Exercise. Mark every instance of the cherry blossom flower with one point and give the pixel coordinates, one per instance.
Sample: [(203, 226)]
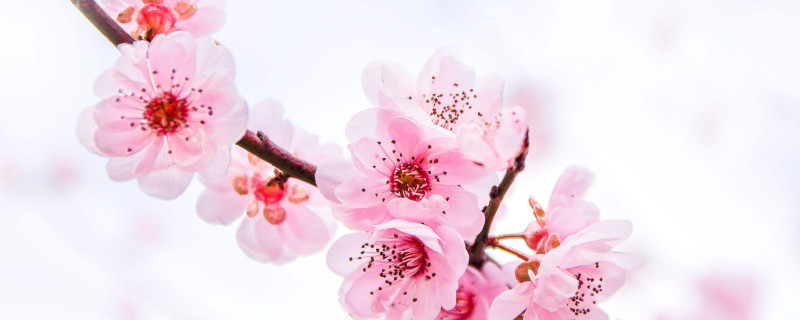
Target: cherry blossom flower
[(168, 109), (403, 173), (401, 270), (569, 281), (145, 19), (476, 291), (575, 267), (451, 100), (284, 217)]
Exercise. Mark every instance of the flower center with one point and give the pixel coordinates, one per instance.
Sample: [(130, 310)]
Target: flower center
[(463, 308), (154, 19), (399, 258), (268, 194), (410, 182), (166, 114)]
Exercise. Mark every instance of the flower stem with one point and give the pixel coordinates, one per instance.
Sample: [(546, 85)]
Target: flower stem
[(510, 235), (256, 143), (508, 249), (476, 254)]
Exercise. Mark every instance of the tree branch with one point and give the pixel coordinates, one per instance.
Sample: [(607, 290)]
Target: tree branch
[(256, 143), (261, 146), (98, 17), (476, 254)]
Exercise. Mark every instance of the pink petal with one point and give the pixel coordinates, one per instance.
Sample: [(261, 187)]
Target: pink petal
[(508, 305), (424, 233), (367, 123), (361, 218), (221, 207), (267, 116), (406, 135), (120, 144), (213, 59), (232, 125), (85, 130), (166, 184), (175, 51), (260, 241), (342, 250), (219, 164), (570, 187), (362, 192), (463, 212), (371, 158), (205, 21), (388, 78), (567, 221), (358, 299), (303, 231), (331, 173)]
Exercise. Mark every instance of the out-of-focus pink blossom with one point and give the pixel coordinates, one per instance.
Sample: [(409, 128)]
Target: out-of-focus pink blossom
[(450, 100), (145, 19), (729, 296), (169, 108), (401, 270), (403, 173), (476, 291), (571, 279), (285, 217)]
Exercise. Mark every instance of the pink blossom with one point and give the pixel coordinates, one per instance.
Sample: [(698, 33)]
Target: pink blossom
[(566, 213), (168, 109), (571, 278), (401, 270), (145, 19), (575, 266), (476, 291), (284, 217), (448, 98), (404, 173)]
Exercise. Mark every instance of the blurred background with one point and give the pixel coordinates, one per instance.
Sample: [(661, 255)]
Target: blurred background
[(688, 112)]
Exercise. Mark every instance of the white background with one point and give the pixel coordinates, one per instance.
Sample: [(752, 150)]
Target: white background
[(688, 112)]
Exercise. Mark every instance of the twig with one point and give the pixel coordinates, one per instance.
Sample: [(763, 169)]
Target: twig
[(476, 254), (510, 235), (258, 144), (107, 26), (508, 249), (261, 146)]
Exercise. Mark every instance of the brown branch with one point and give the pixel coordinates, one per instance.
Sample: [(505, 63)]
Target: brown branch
[(107, 26), (476, 253), (256, 143), (261, 146)]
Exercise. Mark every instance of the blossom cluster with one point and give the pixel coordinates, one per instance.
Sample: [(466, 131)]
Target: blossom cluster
[(422, 161)]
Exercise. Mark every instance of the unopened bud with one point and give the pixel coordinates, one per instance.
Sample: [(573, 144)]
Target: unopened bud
[(522, 271)]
